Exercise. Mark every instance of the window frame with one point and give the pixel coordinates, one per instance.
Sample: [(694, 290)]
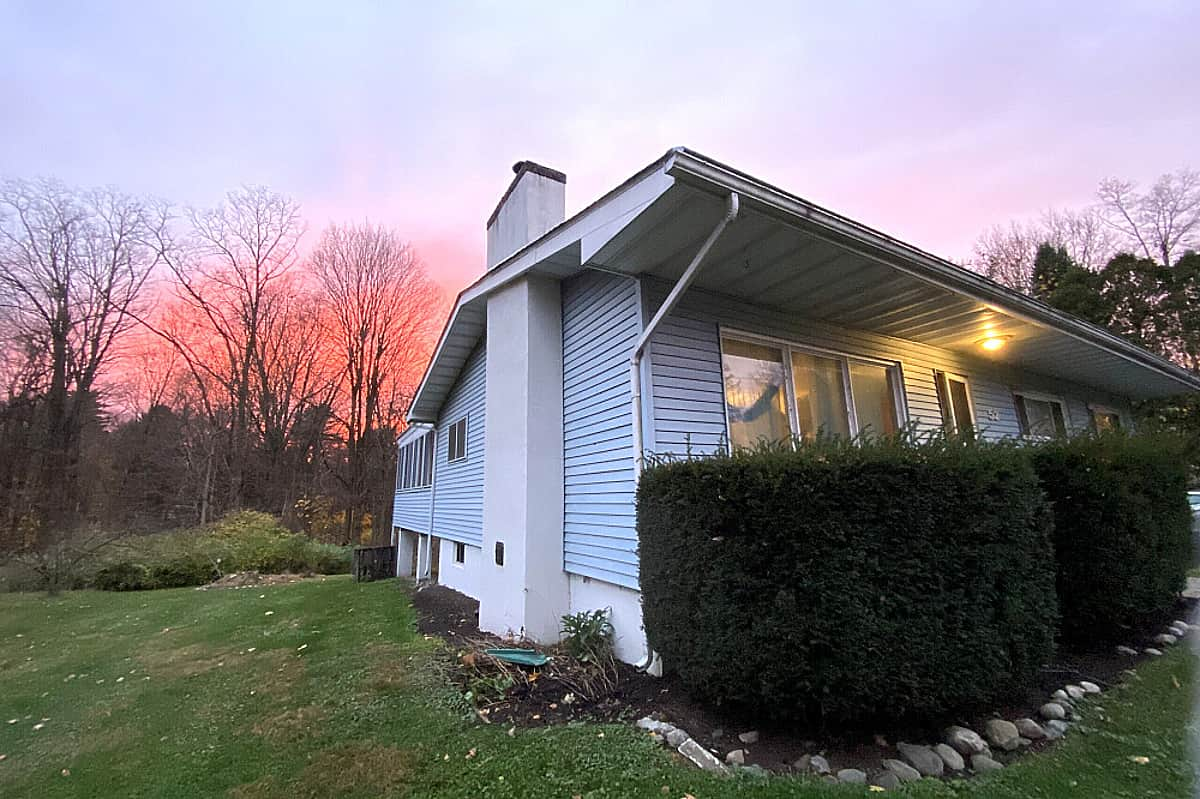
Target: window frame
[(458, 439), (460, 554), (1040, 396), (1095, 408), (941, 379), (414, 463), (844, 359)]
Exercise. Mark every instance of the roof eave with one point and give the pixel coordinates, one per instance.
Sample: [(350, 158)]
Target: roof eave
[(700, 171)]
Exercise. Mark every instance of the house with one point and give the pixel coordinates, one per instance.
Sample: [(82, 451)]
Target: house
[(691, 307)]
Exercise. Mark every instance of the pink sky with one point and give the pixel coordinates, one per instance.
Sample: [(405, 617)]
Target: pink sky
[(930, 121)]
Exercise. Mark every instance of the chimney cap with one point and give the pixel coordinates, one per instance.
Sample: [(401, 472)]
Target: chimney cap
[(519, 170), (521, 167)]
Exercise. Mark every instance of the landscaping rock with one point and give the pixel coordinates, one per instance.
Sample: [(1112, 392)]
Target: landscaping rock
[(736, 758), (922, 758), (1165, 639), (703, 758), (676, 737), (1053, 710), (756, 771), (1089, 687), (1075, 692), (1060, 696), (1030, 729), (905, 772), (852, 776), (1152, 652), (886, 780), (982, 764), (750, 737), (802, 763), (964, 741), (1002, 734), (1177, 631), (1059, 728), (1180, 623), (649, 724), (819, 765), (1127, 650), (950, 757)]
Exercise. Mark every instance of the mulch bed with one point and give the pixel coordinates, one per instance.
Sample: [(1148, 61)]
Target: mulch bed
[(455, 618)]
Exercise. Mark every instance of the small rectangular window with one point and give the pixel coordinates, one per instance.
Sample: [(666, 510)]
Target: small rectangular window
[(1105, 420), (954, 399), (456, 449), (1040, 417), (460, 552)]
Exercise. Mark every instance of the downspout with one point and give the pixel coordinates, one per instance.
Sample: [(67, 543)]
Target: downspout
[(650, 659)]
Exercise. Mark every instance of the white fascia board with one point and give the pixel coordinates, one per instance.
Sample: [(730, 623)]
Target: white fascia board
[(601, 220), (704, 173)]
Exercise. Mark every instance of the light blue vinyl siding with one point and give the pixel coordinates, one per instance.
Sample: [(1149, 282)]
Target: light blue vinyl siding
[(410, 509), (688, 390), (458, 485), (601, 323)]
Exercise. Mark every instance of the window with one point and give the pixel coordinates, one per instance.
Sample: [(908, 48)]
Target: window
[(1104, 419), (457, 444), (776, 391), (1040, 417), (955, 401), (460, 552), (414, 463), (755, 393)]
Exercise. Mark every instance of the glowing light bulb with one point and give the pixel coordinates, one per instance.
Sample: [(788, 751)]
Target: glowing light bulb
[(993, 343)]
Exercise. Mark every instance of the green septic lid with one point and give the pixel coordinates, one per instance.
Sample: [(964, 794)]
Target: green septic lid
[(522, 657)]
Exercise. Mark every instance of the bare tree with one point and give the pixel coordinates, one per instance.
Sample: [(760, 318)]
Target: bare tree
[(72, 269), (1083, 233), (1006, 253), (236, 254), (1161, 223), (384, 311)]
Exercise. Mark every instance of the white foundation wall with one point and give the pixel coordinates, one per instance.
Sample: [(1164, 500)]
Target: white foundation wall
[(626, 606), (462, 577)]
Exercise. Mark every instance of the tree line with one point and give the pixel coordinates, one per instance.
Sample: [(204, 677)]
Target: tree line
[(161, 366), (1128, 263)]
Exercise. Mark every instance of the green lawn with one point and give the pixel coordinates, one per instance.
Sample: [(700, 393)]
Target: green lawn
[(322, 689)]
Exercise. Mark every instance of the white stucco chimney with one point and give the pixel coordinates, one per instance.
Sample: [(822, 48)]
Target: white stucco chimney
[(536, 201)]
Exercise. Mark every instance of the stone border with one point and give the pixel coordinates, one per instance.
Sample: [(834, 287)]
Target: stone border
[(961, 752)]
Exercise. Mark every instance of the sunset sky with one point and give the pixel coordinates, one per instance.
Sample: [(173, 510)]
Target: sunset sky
[(930, 121)]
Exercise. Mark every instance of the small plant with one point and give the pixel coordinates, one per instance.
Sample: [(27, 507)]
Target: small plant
[(588, 636)]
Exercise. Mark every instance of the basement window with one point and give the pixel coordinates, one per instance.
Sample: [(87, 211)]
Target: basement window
[(457, 445), (460, 552)]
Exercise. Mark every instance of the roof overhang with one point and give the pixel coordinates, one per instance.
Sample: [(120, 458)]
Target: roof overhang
[(787, 253)]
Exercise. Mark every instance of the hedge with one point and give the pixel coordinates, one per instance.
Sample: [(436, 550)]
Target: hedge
[(1122, 531), (847, 584)]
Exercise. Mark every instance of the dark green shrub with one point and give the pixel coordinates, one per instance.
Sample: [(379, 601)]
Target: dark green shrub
[(122, 576), (183, 571), (849, 583), (1122, 531)]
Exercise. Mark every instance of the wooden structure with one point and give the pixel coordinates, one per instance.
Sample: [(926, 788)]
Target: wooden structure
[(373, 563)]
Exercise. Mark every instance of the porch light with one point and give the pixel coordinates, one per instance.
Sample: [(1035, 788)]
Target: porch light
[(993, 343)]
